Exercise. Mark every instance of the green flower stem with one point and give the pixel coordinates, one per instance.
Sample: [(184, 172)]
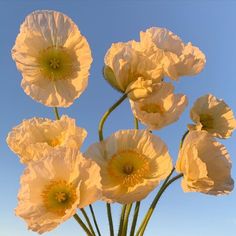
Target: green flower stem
[(137, 205), (166, 180), (122, 217), (88, 221), (126, 220), (81, 223), (164, 186), (160, 192), (136, 211), (56, 113), (94, 219), (100, 134), (110, 219), (107, 113), (136, 123), (183, 137)]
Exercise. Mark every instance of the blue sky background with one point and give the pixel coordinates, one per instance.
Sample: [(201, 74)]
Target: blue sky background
[(211, 25)]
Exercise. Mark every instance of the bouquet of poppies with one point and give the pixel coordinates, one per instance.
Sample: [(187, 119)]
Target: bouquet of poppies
[(54, 59)]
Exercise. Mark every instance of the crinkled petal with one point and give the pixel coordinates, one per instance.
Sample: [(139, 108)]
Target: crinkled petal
[(136, 142), (41, 31), (213, 115), (205, 164), (31, 139)]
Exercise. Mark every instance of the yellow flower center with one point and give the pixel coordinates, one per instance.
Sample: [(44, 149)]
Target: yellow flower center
[(54, 142), (153, 108), (207, 121), (58, 196), (56, 63), (128, 168)]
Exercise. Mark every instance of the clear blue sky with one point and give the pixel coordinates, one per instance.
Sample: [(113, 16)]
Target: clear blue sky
[(211, 25)]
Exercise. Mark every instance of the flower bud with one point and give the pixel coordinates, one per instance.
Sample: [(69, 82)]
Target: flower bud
[(110, 77)]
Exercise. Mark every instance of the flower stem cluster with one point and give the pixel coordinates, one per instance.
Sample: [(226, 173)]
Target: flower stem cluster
[(125, 167)]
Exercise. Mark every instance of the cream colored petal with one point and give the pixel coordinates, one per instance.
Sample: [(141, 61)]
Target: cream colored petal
[(47, 95), (90, 187), (170, 62), (25, 55), (84, 59), (38, 137), (139, 89), (163, 39), (41, 32), (67, 165), (124, 65), (214, 115), (161, 90), (176, 58), (61, 93), (192, 61), (36, 218), (138, 141), (54, 27), (150, 50), (65, 97), (127, 196), (206, 165), (39, 219), (161, 108)]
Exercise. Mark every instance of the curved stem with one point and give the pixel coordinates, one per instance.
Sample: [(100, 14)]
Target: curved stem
[(182, 139), (160, 192), (100, 134), (56, 113), (110, 219), (106, 114), (126, 220), (94, 219), (154, 203), (136, 211), (122, 217), (81, 223), (88, 221), (162, 186)]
